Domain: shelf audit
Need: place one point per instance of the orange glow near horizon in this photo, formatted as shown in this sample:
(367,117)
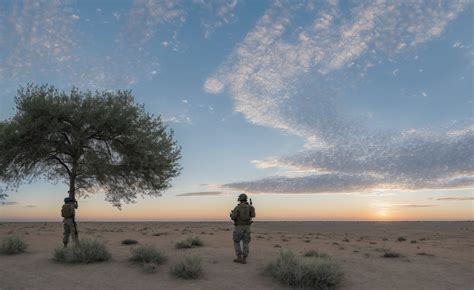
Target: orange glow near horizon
(152,212)
(395,207)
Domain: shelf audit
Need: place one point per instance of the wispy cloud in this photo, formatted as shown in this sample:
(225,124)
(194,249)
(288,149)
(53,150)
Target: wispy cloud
(146,17)
(46,41)
(458,198)
(182,119)
(218,14)
(201,193)
(37,37)
(5,203)
(267,72)
(416,205)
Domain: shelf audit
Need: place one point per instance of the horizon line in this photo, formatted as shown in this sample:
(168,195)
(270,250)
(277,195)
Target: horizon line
(220,221)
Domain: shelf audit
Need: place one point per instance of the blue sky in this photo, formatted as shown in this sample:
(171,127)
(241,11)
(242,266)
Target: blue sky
(300,103)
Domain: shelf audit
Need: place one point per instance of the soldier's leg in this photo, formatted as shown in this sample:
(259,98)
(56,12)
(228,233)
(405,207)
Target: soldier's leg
(237,237)
(246,242)
(66,233)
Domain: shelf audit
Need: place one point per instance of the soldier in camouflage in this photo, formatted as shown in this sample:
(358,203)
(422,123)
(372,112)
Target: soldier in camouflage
(242,216)
(68,212)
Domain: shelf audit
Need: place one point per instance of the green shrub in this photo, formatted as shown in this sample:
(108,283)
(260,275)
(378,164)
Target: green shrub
(129,242)
(313,273)
(316,254)
(190,242)
(189,268)
(86,251)
(12,245)
(147,254)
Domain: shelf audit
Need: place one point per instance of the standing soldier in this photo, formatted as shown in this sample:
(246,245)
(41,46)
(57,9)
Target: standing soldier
(242,216)
(68,212)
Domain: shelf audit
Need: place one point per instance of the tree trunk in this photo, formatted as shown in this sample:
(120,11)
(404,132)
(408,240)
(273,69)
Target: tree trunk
(72,186)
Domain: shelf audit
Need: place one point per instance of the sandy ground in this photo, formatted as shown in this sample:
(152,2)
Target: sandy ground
(447,262)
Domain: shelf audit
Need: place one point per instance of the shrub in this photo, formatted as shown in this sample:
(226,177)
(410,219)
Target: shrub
(314,273)
(190,242)
(184,244)
(401,239)
(86,251)
(189,268)
(129,242)
(147,254)
(316,254)
(390,254)
(12,245)
(424,254)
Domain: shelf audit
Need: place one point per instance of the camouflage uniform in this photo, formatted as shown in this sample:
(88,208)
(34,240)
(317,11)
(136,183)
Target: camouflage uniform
(242,230)
(68,225)
(241,233)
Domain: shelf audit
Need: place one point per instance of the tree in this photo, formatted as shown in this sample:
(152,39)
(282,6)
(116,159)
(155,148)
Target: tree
(92,141)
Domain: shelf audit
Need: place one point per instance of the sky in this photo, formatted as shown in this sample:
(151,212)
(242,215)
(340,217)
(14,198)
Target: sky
(319,110)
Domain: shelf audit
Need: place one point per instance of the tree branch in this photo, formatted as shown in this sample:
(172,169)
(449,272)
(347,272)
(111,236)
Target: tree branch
(62,163)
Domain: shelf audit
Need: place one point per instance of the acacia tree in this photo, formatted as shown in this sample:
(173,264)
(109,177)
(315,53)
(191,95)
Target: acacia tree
(92,141)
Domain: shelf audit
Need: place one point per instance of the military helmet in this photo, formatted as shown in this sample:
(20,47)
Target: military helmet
(242,197)
(66,199)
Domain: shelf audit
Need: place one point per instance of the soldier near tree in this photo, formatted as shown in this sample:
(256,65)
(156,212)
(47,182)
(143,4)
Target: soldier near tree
(68,212)
(242,216)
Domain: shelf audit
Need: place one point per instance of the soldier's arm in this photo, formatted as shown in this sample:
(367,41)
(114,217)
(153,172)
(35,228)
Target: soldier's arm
(235,213)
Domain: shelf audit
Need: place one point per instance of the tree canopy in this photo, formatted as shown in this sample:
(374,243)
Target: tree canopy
(100,141)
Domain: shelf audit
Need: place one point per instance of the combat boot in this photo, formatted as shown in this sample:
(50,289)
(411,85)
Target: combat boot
(244,260)
(238,260)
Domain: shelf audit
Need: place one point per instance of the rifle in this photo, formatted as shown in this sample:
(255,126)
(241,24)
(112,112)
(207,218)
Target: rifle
(251,202)
(76,233)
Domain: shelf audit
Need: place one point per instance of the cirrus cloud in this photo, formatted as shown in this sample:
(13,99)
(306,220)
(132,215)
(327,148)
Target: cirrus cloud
(200,193)
(267,72)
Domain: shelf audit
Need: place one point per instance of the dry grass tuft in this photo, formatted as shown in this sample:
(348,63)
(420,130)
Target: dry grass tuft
(312,273)
(188,268)
(12,245)
(87,251)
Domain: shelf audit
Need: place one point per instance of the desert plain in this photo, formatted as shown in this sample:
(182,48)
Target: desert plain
(434,255)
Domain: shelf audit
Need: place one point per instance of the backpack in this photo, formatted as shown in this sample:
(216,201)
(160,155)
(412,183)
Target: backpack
(67,211)
(244,212)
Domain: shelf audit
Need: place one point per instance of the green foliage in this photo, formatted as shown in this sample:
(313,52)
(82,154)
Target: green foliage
(189,268)
(312,273)
(87,251)
(147,254)
(89,140)
(129,242)
(12,245)
(190,242)
(316,254)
